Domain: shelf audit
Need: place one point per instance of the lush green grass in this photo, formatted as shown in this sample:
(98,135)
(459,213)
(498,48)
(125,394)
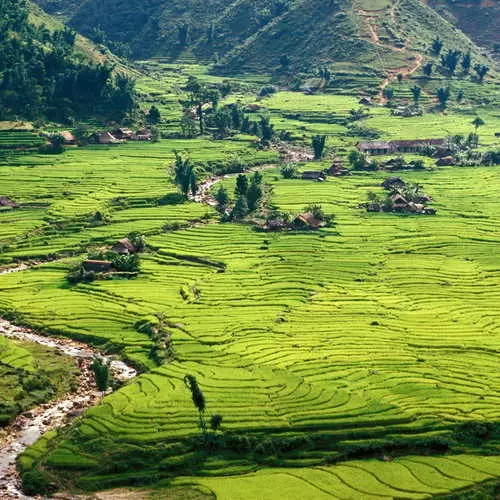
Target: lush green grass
(31,374)
(409,477)
(379,335)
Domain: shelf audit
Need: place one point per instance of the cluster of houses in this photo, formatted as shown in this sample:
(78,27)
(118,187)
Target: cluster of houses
(402,198)
(117,136)
(417,146)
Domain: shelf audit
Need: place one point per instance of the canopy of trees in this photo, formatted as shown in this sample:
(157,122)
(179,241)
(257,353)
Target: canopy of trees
(40,74)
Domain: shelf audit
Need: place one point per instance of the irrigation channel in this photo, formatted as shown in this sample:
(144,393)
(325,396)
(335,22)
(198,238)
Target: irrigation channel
(29,426)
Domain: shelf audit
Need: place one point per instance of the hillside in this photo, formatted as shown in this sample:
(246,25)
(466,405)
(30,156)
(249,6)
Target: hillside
(47,72)
(479,20)
(254,35)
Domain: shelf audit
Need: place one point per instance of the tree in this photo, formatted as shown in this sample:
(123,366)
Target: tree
(285,61)
(185,175)
(216,422)
(357,160)
(478,122)
(154,115)
(266,129)
(318,144)
(241,185)
(101,373)
(466,63)
(222,198)
(417,93)
(400,77)
(427,69)
(155,134)
(198,399)
(199,95)
(188,126)
(460,96)
(450,60)
(437,45)
(288,171)
(240,210)
(443,95)
(255,192)
(482,71)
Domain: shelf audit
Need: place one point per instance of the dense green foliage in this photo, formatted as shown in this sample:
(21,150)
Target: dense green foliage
(41,76)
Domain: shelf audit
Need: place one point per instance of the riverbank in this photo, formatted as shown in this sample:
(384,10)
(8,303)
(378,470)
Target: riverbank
(29,426)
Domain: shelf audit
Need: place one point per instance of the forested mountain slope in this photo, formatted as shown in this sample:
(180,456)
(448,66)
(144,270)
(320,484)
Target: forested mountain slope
(479,19)
(257,34)
(46,72)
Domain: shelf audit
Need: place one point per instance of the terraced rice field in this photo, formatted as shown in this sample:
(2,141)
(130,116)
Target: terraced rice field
(377,337)
(409,477)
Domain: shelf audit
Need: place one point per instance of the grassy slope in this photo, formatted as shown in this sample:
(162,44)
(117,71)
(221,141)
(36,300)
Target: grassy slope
(478,19)
(22,363)
(83,46)
(249,36)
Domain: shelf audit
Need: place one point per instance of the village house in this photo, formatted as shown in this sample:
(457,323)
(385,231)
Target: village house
(337,169)
(123,134)
(103,138)
(6,202)
(399,202)
(391,147)
(69,138)
(124,247)
(142,135)
(375,147)
(365,101)
(313,175)
(307,221)
(97,266)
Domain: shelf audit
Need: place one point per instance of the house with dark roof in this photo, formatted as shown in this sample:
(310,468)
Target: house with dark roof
(307,221)
(399,146)
(375,147)
(313,175)
(124,247)
(97,266)
(103,138)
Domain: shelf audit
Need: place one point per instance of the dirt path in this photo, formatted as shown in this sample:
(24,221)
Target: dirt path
(28,427)
(370,20)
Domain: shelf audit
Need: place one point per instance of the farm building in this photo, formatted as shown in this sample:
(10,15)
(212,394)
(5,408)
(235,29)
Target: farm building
(69,138)
(124,247)
(103,138)
(313,175)
(307,221)
(338,169)
(410,146)
(123,134)
(399,202)
(142,135)
(97,266)
(375,147)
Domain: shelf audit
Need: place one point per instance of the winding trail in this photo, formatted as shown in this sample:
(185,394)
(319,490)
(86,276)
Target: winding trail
(29,426)
(370,20)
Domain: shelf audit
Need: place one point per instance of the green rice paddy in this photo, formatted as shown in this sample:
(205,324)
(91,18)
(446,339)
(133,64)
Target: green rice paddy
(323,351)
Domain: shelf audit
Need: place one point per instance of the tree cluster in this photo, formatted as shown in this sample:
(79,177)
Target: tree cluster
(41,76)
